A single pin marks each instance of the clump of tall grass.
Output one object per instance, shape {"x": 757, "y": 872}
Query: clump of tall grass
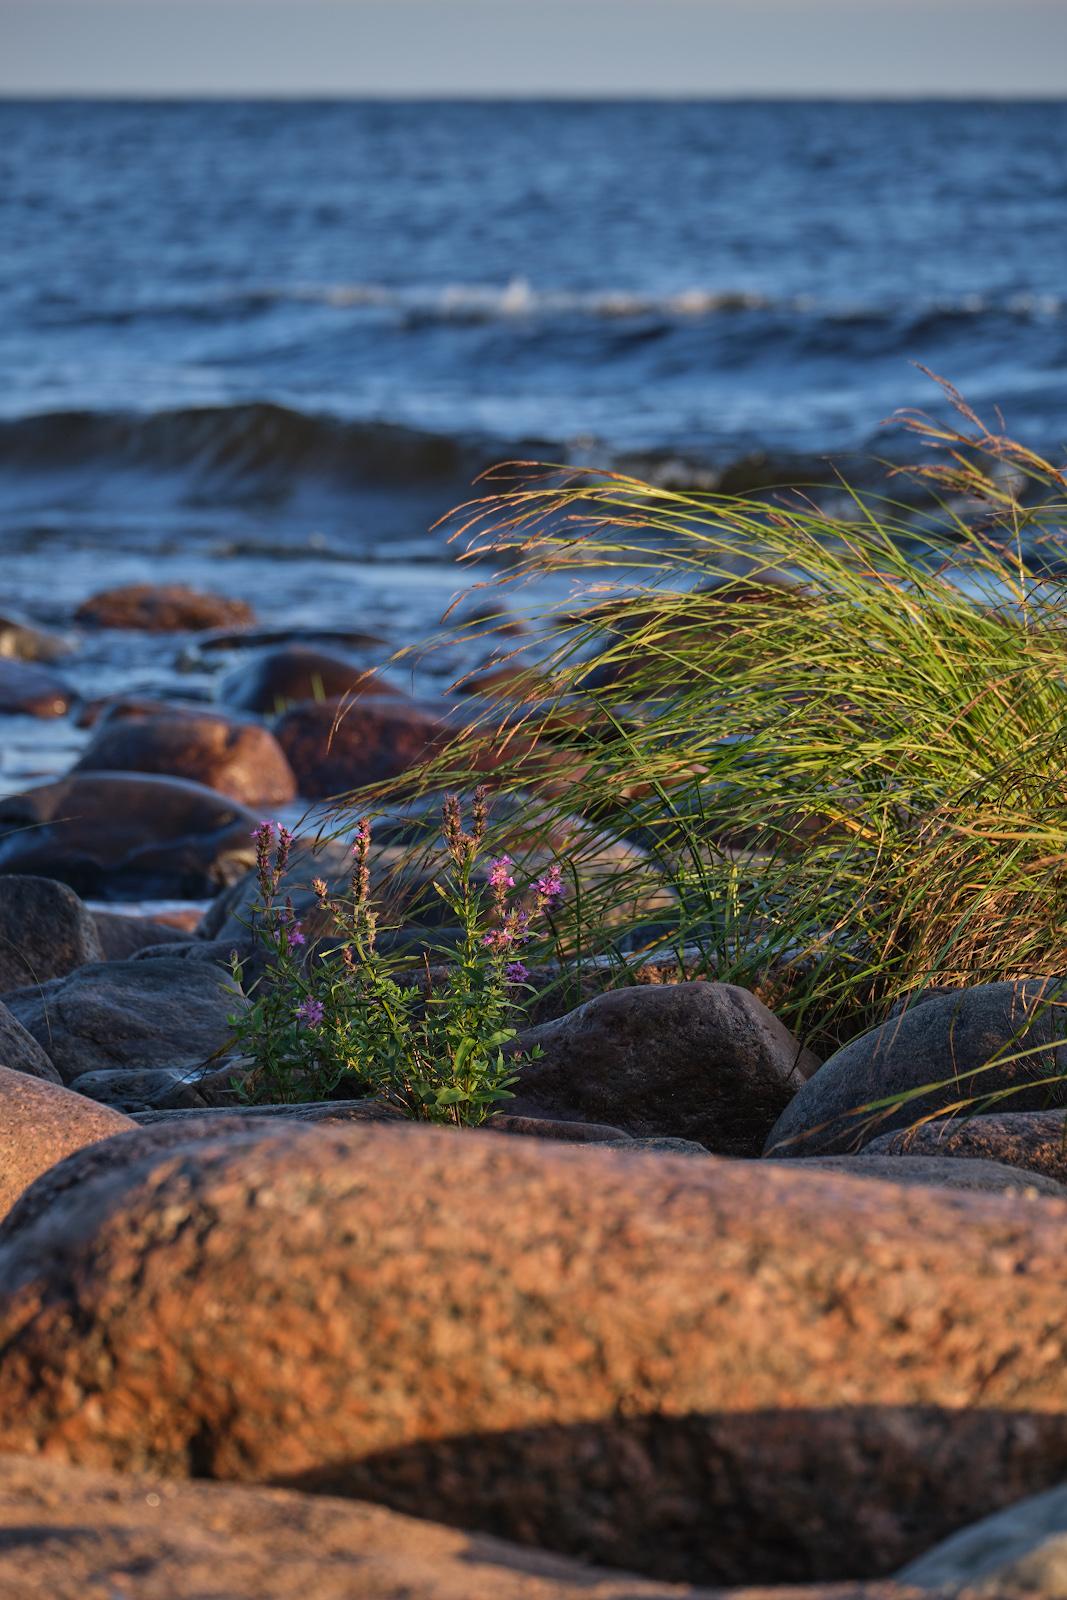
{"x": 838, "y": 732}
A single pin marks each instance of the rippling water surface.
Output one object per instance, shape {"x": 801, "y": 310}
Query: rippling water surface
{"x": 233, "y": 333}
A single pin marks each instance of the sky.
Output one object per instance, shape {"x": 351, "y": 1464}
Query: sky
{"x": 507, "y": 47}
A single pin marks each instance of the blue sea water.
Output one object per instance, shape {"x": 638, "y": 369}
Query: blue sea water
{"x": 303, "y": 305}
{"x": 232, "y": 333}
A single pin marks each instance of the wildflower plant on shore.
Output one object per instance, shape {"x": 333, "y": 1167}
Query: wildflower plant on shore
{"x": 428, "y": 1037}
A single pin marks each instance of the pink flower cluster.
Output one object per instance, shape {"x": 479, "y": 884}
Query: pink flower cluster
{"x": 310, "y": 1013}
{"x": 513, "y": 922}
{"x": 549, "y": 888}
{"x": 500, "y": 877}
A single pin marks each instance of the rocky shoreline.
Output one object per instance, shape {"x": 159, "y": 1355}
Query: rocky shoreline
{"x": 686, "y": 1310}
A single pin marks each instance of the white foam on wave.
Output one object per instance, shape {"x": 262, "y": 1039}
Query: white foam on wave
{"x": 520, "y": 300}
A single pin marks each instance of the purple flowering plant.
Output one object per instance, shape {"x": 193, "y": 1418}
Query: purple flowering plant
{"x": 429, "y": 1037}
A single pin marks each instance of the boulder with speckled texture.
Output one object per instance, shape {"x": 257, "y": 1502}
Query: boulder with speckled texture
{"x": 701, "y": 1061}
{"x": 40, "y": 1124}
{"x": 1033, "y": 1141}
{"x": 963, "y": 1044}
{"x": 130, "y": 1015}
{"x": 686, "y": 1368}
{"x": 235, "y": 758}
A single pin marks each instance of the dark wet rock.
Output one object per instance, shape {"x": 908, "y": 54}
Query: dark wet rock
{"x": 700, "y": 1061}
{"x": 186, "y": 948}
{"x": 122, "y": 937}
{"x": 334, "y": 745}
{"x": 125, "y": 836}
{"x": 162, "y": 608}
{"x": 219, "y": 1102}
{"x": 165, "y": 1088}
{"x": 991, "y": 1176}
{"x": 130, "y": 1089}
{"x": 959, "y": 1040}
{"x": 78, "y": 1535}
{"x": 505, "y": 681}
{"x": 250, "y": 952}
{"x": 1032, "y": 1141}
{"x": 268, "y": 638}
{"x": 486, "y": 620}
{"x": 32, "y": 691}
{"x": 136, "y": 708}
{"x": 132, "y": 1015}
{"x": 24, "y": 641}
{"x": 20, "y": 1052}
{"x": 549, "y": 1128}
{"x": 40, "y": 1124}
{"x": 276, "y": 679}
{"x": 1020, "y": 1551}
{"x": 219, "y": 1118}
{"x": 682, "y": 1367}
{"x": 239, "y": 759}
{"x": 45, "y": 931}
{"x": 670, "y": 1147}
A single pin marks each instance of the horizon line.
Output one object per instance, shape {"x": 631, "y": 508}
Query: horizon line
{"x": 540, "y": 96}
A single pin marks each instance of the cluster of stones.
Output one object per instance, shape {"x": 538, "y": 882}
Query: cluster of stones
{"x": 293, "y": 718}
{"x": 695, "y": 1317}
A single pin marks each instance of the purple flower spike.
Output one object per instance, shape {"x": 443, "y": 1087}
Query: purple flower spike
{"x": 499, "y": 873}
{"x": 515, "y": 972}
{"x": 296, "y": 934}
{"x": 310, "y": 1013}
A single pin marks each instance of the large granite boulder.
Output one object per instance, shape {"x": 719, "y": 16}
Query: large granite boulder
{"x": 701, "y": 1061}
{"x": 1032, "y": 1141}
{"x": 680, "y": 1367}
{"x": 40, "y": 1123}
{"x": 132, "y": 1015}
{"x": 152, "y": 1133}
{"x": 965, "y": 1045}
{"x": 124, "y": 836}
{"x": 45, "y": 931}
{"x": 238, "y": 759}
